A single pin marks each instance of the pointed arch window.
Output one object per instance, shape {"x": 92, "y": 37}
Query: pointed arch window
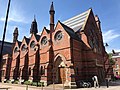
{"x": 16, "y": 50}
{"x": 29, "y": 71}
{"x": 42, "y": 70}
{"x": 58, "y": 36}
{"x": 32, "y": 45}
{"x": 44, "y": 40}
{"x": 24, "y": 47}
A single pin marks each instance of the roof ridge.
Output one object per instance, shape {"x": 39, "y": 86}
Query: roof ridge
{"x": 77, "y": 22}
{"x": 66, "y": 26}
{"x": 77, "y": 15}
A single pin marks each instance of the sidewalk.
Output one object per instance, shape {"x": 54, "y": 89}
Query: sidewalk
{"x": 113, "y": 86}
{"x": 24, "y": 87}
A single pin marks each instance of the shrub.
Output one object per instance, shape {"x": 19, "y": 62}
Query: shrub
{"x": 8, "y": 81}
{"x": 27, "y": 82}
{"x": 41, "y": 84}
{"x": 38, "y": 84}
{"x": 34, "y": 83}
{"x": 16, "y": 82}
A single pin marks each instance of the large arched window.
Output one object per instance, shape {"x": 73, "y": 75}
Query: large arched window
{"x": 58, "y": 36}
{"x": 16, "y": 49}
{"x": 29, "y": 71}
{"x": 24, "y": 47}
{"x": 44, "y": 40}
{"x": 42, "y": 70}
{"x": 32, "y": 45}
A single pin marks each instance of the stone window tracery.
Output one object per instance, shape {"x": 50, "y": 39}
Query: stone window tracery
{"x": 16, "y": 49}
{"x": 58, "y": 36}
{"x": 44, "y": 40}
{"x": 32, "y": 45}
{"x": 24, "y": 47}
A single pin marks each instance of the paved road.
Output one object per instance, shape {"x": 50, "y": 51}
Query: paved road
{"x": 113, "y": 86}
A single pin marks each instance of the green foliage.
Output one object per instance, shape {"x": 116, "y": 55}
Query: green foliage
{"x": 38, "y": 84}
{"x": 28, "y": 83}
{"x": 112, "y": 62}
{"x": 8, "y": 81}
{"x": 16, "y": 82}
{"x": 34, "y": 83}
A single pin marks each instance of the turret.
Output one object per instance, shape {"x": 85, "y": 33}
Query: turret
{"x": 15, "y": 35}
{"x": 33, "y": 29}
{"x": 52, "y": 12}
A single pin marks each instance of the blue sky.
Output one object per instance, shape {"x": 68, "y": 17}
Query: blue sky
{"x": 22, "y": 13}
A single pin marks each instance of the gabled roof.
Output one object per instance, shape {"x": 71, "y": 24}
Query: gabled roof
{"x": 77, "y": 22}
{"x": 70, "y": 31}
{"x": 19, "y": 43}
{"x": 27, "y": 40}
{"x": 37, "y": 37}
{"x": 48, "y": 31}
{"x": 7, "y": 48}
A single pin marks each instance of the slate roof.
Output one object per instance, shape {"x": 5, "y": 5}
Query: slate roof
{"x": 7, "y": 49}
{"x": 48, "y": 31}
{"x": 70, "y": 32}
{"x": 77, "y": 22}
{"x": 37, "y": 37}
{"x": 116, "y": 55}
{"x": 27, "y": 40}
{"x": 19, "y": 43}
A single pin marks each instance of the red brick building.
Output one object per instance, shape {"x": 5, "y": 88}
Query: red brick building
{"x": 116, "y": 67}
{"x": 6, "y": 62}
{"x": 70, "y": 51}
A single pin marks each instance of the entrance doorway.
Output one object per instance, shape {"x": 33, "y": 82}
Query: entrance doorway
{"x": 62, "y": 75}
{"x": 60, "y": 70}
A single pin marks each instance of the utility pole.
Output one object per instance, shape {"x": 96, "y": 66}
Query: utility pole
{"x": 4, "y": 37}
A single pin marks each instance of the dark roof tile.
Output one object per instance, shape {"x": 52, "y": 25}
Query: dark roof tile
{"x": 70, "y": 32}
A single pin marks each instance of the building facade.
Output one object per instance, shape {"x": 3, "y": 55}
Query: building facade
{"x": 70, "y": 51}
{"x": 116, "y": 67}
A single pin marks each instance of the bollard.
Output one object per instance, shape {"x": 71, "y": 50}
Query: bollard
{"x": 27, "y": 87}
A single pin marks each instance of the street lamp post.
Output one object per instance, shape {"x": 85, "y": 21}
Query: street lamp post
{"x": 4, "y": 35}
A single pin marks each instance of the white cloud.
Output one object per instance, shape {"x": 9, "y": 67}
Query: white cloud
{"x": 48, "y": 27}
{"x": 15, "y": 16}
{"x": 117, "y": 50}
{"x": 110, "y": 35}
{"x": 109, "y": 50}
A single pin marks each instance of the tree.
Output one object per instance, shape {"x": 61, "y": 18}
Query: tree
{"x": 112, "y": 62}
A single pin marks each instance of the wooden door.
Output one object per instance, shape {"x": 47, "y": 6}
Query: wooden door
{"x": 62, "y": 75}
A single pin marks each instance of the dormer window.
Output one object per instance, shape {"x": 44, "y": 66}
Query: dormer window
{"x": 24, "y": 48}
{"x": 32, "y": 45}
{"x": 58, "y": 36}
{"x": 16, "y": 49}
{"x": 44, "y": 40}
